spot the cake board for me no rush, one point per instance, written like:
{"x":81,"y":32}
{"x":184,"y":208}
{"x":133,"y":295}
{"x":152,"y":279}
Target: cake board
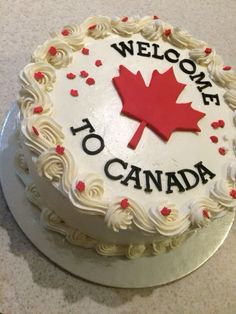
{"x":85,"y":263}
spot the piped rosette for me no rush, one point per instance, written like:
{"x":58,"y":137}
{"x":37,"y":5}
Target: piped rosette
{"x":167,"y":220}
{"x":98,"y":27}
{"x":55,"y":52}
{"x":87,"y":195}
{"x":125,"y":26}
{"x":41,"y":133}
{"x":153,"y":30}
{"x":38,"y":73}
{"x":57,"y":165}
{"x":32,"y":100}
{"x":72,"y":35}
{"x":202,"y":55}
{"x":181,"y":38}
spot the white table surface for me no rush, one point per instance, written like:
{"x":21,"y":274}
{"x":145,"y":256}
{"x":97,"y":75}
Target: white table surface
{"x":29,"y":283}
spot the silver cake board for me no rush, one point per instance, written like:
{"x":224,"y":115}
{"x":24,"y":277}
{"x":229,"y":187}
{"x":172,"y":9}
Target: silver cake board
{"x":85,"y":263}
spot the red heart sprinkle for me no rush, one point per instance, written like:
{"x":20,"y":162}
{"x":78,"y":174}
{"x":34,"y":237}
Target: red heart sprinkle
{"x":60,"y":149}
{"x":65,"y":32}
{"x":36,"y":132}
{"x":74,"y":92}
{"x":205,"y":213}
{"x":38,"y":109}
{"x":155,"y":17}
{"x":227,"y":68}
{"x":80,"y":186}
{"x":85,"y":51}
{"x":38,"y":75}
{"x":214,"y":139}
{"x":98,"y":63}
{"x":83,"y":74}
{"x":233,"y":193}
{"x":125,"y":19}
{"x":124,"y":203}
{"x":222,"y":151}
{"x":221,"y":123}
{"x":90,"y":81}
{"x":165,"y":211}
{"x":167,"y":32}
{"x":215,"y":125}
{"x":208,"y":50}
{"x":70,"y":76}
{"x":91,"y":27}
{"x":52,"y":51}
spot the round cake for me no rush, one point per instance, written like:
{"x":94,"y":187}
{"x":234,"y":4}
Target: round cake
{"x":127,"y":130}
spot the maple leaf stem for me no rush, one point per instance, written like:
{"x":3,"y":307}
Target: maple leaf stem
{"x":137,"y":135}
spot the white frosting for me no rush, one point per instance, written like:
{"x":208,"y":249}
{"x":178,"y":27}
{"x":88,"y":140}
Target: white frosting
{"x":172,"y":224}
{"x":57,"y":168}
{"x":221,"y":194}
{"x":50,"y":133}
{"x":102,"y":105}
{"x":153,"y":30}
{"x":63,"y":55}
{"x":30,"y":97}
{"x":201,"y":57}
{"x":75,"y":37}
{"x":125,"y":28}
{"x":49,"y":76}
{"x":90,"y":200}
{"x":33,"y":195}
{"x":230,"y":98}
{"x":182,"y":39}
{"x":98,"y":27}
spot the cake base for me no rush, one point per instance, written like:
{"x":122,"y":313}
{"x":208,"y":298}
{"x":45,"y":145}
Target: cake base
{"x":85,"y":263}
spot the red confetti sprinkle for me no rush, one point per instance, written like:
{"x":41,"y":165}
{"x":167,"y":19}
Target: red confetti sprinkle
{"x":205,"y":213}
{"x":85,"y":51}
{"x":74,"y":92}
{"x":52,"y":51}
{"x":227,"y":68}
{"x":84,"y":74}
{"x":65,"y":32}
{"x":124,"y":203}
{"x":165,"y":211}
{"x":155,"y":17}
{"x":98,"y":63}
{"x":221,"y":123}
{"x":233,"y":194}
{"x":167,"y":32}
{"x":90,"y":81}
{"x":91,"y":27}
{"x":70,"y":76}
{"x":38,"y":75}
{"x":80,"y":186}
{"x":125,"y":19}
{"x":38,"y":109}
{"x":36,"y":132}
{"x":208,"y":51}
{"x":215,"y":125}
{"x":222,"y":151}
{"x":214,"y":139}
{"x":60,"y":149}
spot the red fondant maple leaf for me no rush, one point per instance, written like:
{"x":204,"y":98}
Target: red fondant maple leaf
{"x":155,"y":105}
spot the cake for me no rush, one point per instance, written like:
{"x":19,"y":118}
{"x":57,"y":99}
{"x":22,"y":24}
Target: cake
{"x":127,"y":132}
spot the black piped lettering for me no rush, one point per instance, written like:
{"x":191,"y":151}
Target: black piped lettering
{"x":124,"y":48}
{"x":111,"y":162}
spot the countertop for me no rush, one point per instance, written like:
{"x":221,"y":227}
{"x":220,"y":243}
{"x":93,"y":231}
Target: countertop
{"x":29,"y":282}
